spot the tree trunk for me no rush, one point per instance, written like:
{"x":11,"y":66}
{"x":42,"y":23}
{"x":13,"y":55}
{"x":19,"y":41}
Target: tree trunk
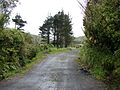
{"x":48,"y":36}
{"x":54,"y":39}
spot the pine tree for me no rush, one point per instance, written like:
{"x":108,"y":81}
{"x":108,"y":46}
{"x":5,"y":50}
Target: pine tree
{"x":45,"y":30}
{"x":19,"y":23}
{"x":59,"y":27}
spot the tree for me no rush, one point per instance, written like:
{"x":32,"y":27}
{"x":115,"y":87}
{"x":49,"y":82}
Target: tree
{"x":101,"y":50}
{"x":19,"y":23}
{"x":59,"y":27}
{"x":67,"y":30}
{"x":63,"y":29}
{"x":45,"y":30}
{"x":6,"y":7}
{"x":102,"y":24}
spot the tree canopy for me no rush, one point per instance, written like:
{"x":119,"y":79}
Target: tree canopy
{"x":19,"y":23}
{"x":58,"y":28}
{"x":6,"y":7}
{"x":102,"y":24}
{"x":101,"y":50}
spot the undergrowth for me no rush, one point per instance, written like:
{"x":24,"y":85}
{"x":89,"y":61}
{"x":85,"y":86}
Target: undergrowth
{"x":31,"y":62}
{"x":18,"y":51}
{"x":102,"y":65}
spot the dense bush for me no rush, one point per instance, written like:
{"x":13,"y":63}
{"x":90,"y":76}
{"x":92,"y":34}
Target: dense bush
{"x":11,"y":50}
{"x":101,"y":51}
{"x":16,"y":51}
{"x":16,"y":48}
{"x":32,"y":50}
{"x":102,"y":23}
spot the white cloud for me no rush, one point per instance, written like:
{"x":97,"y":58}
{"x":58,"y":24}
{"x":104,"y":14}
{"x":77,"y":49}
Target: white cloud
{"x":36,"y":11}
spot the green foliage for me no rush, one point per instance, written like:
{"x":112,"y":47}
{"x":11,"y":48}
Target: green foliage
{"x":16,"y":51}
{"x":3,"y":19}
{"x":102,"y":64}
{"x":62,"y":29}
{"x":11,"y":50}
{"x":6,"y":7}
{"x":101,"y":52}
{"x":19,"y":23}
{"x":45,"y":29}
{"x":59,"y":27}
{"x":32,"y":50}
{"x":102,"y":23}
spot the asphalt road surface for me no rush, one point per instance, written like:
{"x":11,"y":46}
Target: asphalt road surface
{"x":55,"y":72}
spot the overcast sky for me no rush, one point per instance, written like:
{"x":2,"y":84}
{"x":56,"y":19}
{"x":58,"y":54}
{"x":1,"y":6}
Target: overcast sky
{"x":36,"y":11}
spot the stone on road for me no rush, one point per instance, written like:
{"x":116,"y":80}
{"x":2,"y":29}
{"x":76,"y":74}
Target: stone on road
{"x":55,"y":72}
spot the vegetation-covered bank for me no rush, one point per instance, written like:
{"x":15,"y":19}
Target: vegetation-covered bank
{"x":101,"y":64}
{"x":18,"y":50}
{"x":101,"y":50}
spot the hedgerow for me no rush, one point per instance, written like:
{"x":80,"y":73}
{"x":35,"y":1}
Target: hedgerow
{"x":16,"y":51}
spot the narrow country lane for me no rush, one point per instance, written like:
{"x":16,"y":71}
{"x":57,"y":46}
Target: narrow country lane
{"x":55,"y":72}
